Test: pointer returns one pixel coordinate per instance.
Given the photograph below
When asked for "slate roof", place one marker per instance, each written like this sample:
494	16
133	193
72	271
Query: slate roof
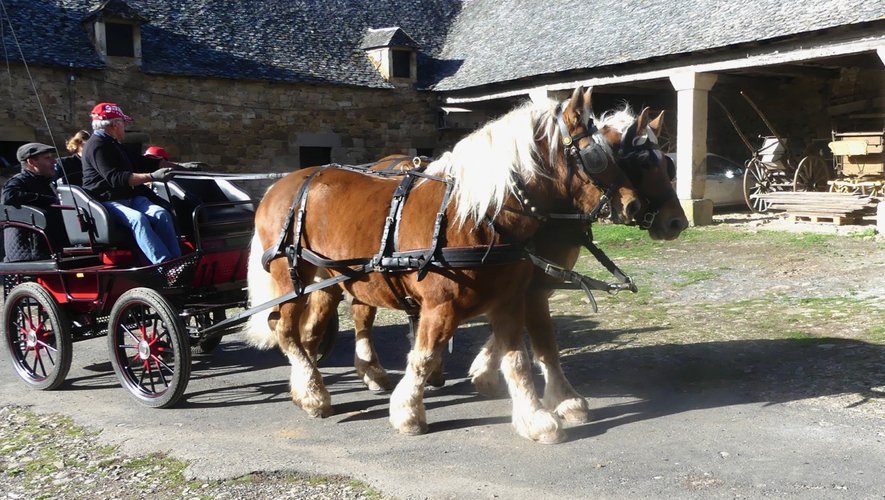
387	37
503	40
289	40
462	43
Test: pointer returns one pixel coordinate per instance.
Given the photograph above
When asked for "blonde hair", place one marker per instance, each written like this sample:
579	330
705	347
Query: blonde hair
76	141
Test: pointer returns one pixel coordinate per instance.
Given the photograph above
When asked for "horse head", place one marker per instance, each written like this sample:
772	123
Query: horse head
651	172
588	170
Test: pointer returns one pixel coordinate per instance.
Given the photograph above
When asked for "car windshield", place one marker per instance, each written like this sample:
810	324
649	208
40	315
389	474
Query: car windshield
718	165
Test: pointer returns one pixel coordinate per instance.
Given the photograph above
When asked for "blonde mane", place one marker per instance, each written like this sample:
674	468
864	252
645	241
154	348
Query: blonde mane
483	164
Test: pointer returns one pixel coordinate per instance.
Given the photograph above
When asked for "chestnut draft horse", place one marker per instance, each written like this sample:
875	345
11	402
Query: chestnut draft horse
540	156
634	139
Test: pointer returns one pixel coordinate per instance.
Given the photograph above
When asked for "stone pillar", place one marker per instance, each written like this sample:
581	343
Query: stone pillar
691	147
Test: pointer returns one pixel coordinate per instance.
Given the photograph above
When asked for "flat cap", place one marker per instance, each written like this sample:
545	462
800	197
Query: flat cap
32	149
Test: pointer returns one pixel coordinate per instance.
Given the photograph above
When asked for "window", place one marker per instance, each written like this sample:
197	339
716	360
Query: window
402	64
311	156
119	39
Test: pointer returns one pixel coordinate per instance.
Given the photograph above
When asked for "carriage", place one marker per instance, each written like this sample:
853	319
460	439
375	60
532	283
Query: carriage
153	315
773	166
859	163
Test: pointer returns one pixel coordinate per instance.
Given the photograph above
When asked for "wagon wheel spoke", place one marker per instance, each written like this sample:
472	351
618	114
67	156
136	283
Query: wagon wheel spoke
812	174
157	373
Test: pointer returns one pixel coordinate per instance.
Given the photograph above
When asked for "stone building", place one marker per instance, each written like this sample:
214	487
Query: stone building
274	84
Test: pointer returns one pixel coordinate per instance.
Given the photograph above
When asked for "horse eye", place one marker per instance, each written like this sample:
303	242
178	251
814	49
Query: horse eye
671	168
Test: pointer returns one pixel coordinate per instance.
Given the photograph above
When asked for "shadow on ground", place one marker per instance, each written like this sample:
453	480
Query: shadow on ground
656	380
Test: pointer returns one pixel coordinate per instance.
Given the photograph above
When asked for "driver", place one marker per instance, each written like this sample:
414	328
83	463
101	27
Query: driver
111	178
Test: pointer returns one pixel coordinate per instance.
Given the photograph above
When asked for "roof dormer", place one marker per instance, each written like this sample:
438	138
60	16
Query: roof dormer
393	53
115	29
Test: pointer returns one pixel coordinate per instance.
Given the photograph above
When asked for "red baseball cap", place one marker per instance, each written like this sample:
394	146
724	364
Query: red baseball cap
108	111
157	151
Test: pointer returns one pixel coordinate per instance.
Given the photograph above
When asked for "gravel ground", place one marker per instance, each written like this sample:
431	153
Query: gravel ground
45	456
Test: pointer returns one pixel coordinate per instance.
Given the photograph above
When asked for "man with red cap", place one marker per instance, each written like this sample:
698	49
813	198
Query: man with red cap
118	182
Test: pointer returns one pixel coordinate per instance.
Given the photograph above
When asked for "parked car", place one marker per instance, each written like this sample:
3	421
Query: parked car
725	180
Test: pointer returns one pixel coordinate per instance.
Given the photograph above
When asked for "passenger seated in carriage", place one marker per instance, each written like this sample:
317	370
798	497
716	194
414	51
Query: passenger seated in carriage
69	169
33	187
110	177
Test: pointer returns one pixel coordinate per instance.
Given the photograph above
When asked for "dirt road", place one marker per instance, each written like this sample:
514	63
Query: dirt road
750	364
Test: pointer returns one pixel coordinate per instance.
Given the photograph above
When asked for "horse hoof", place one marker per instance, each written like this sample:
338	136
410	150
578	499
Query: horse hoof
574	411
319	412
488	384
551	437
436	380
414	429
542	427
378	385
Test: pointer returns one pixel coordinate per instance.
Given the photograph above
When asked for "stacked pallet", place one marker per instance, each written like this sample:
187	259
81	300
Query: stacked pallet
833	208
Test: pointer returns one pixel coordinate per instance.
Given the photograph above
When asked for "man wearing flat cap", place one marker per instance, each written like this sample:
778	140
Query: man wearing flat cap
118	182
33	187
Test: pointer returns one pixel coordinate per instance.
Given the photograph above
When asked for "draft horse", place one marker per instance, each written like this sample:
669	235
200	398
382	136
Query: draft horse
453	248
634	141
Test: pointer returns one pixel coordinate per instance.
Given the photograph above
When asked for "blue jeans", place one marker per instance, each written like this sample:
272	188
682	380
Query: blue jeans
151	225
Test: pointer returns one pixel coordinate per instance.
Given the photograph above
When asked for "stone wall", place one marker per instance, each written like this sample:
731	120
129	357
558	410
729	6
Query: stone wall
244	126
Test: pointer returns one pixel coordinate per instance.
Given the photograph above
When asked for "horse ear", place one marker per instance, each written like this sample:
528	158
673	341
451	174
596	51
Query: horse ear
657	124
579	103
642	121
575	102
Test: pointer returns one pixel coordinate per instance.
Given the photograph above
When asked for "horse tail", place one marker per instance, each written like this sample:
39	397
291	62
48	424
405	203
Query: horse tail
257	330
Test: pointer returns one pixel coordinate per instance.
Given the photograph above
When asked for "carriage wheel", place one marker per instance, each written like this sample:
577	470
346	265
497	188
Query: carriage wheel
149	348
199	322
38	336
757	180
328	341
812	174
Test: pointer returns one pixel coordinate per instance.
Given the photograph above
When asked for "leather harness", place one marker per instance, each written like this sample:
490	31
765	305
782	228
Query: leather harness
593	159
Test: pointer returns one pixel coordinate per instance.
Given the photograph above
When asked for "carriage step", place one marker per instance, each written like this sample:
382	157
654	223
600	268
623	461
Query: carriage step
837	220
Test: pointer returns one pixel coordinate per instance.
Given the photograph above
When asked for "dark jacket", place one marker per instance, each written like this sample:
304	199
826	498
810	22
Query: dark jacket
69	170
107	167
28	188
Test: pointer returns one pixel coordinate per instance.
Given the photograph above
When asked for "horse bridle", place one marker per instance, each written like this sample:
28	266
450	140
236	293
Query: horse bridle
593	160
636	151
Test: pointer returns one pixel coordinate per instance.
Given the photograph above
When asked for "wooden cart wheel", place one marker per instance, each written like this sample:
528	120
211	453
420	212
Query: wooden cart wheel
812	174
757	180
149	348
38	336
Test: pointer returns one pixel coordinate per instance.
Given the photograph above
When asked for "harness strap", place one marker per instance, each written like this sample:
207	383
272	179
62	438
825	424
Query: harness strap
460	257
609	265
571	279
438	227
277	249
294	294
393	216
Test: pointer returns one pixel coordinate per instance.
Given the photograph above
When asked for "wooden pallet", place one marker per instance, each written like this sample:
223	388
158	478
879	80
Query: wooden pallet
822	207
836	220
